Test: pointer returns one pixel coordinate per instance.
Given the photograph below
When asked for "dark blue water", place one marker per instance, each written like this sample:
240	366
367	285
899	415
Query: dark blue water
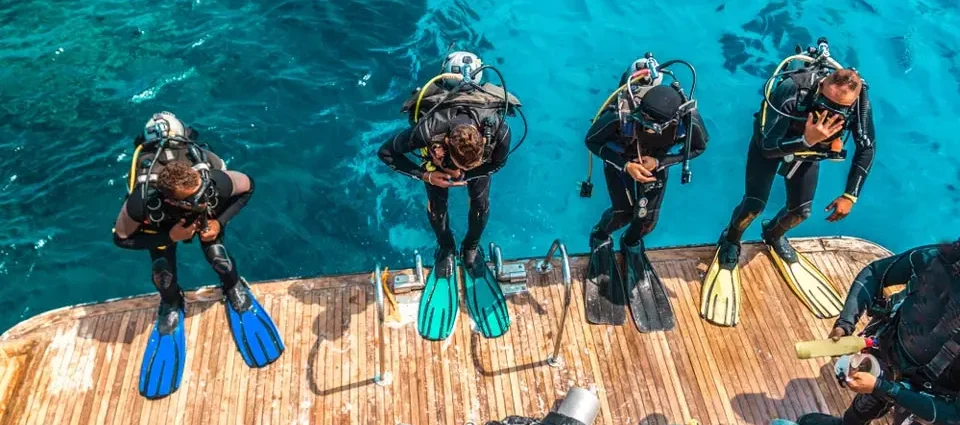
299	94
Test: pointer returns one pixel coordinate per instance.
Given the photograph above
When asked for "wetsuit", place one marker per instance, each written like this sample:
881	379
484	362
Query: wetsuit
783	137
928	318
148	229
616	146
393	153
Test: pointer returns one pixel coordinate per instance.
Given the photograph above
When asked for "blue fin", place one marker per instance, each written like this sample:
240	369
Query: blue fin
485	301
164	357
439	302
252	328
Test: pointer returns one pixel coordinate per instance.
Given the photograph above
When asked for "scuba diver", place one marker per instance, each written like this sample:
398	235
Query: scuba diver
801	123
634	137
179	190
918	336
459	130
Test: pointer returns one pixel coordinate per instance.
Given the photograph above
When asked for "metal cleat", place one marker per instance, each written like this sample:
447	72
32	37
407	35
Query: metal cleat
512	276
410	281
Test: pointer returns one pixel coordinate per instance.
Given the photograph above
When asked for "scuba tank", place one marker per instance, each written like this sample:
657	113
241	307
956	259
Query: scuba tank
816	63
459	87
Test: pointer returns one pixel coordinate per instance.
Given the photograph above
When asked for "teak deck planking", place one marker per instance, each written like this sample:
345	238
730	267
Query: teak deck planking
80	365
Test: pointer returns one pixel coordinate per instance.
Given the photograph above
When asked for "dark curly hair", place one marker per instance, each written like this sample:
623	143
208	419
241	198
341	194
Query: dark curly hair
177	177
466	145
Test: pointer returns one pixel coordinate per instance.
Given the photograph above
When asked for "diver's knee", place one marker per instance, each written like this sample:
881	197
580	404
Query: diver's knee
752	206
612	219
218	257
803	212
162	273
480	207
647	226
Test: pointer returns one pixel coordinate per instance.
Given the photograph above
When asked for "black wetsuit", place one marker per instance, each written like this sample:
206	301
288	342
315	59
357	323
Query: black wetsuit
154	235
928	317
393	153
607	140
784	136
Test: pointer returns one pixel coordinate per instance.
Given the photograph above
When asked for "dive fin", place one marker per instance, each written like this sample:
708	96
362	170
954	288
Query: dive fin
253	330
163	360
805	280
720	291
485	301
649	304
604	296
440	301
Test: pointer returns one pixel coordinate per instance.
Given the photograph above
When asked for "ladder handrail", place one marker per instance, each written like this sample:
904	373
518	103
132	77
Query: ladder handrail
380	330
544	267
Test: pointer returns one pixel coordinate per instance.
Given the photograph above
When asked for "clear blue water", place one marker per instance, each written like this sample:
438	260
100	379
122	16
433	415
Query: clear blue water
299	94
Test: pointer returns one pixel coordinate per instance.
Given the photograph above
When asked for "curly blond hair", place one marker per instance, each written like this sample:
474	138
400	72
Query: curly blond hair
466	145
177	177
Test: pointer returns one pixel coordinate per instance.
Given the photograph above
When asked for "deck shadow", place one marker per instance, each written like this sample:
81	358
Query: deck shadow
334	330
793	393
113	335
526	299
475	355
654	419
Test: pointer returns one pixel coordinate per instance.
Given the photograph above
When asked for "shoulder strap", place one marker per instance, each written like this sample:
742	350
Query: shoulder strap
944	358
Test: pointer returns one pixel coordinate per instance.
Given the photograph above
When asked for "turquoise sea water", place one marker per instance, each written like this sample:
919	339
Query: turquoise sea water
299	94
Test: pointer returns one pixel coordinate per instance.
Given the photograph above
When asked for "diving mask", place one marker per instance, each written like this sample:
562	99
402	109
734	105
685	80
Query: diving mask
651	125
822	103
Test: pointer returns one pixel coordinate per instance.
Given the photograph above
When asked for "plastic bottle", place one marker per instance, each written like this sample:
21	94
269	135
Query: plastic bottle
830	348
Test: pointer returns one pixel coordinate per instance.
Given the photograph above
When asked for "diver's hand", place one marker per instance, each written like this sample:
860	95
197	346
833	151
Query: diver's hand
639	173
841	208
650	163
819	128
454	174
862	382
440	179
213	230
181	231
837	333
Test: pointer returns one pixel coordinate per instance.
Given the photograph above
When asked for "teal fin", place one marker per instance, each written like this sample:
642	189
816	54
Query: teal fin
649	304
485	301
252	328
604	296
440	300
163	360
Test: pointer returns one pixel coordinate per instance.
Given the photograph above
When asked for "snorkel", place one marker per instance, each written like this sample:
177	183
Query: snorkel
652	71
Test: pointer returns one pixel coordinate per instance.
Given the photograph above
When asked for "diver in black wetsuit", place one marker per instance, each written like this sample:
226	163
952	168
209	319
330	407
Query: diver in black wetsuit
832	105
463	140
189	192
179	190
805	120
635	139
829	113
636	154
918	330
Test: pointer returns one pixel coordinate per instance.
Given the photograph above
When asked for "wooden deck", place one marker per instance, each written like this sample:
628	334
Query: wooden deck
80	365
